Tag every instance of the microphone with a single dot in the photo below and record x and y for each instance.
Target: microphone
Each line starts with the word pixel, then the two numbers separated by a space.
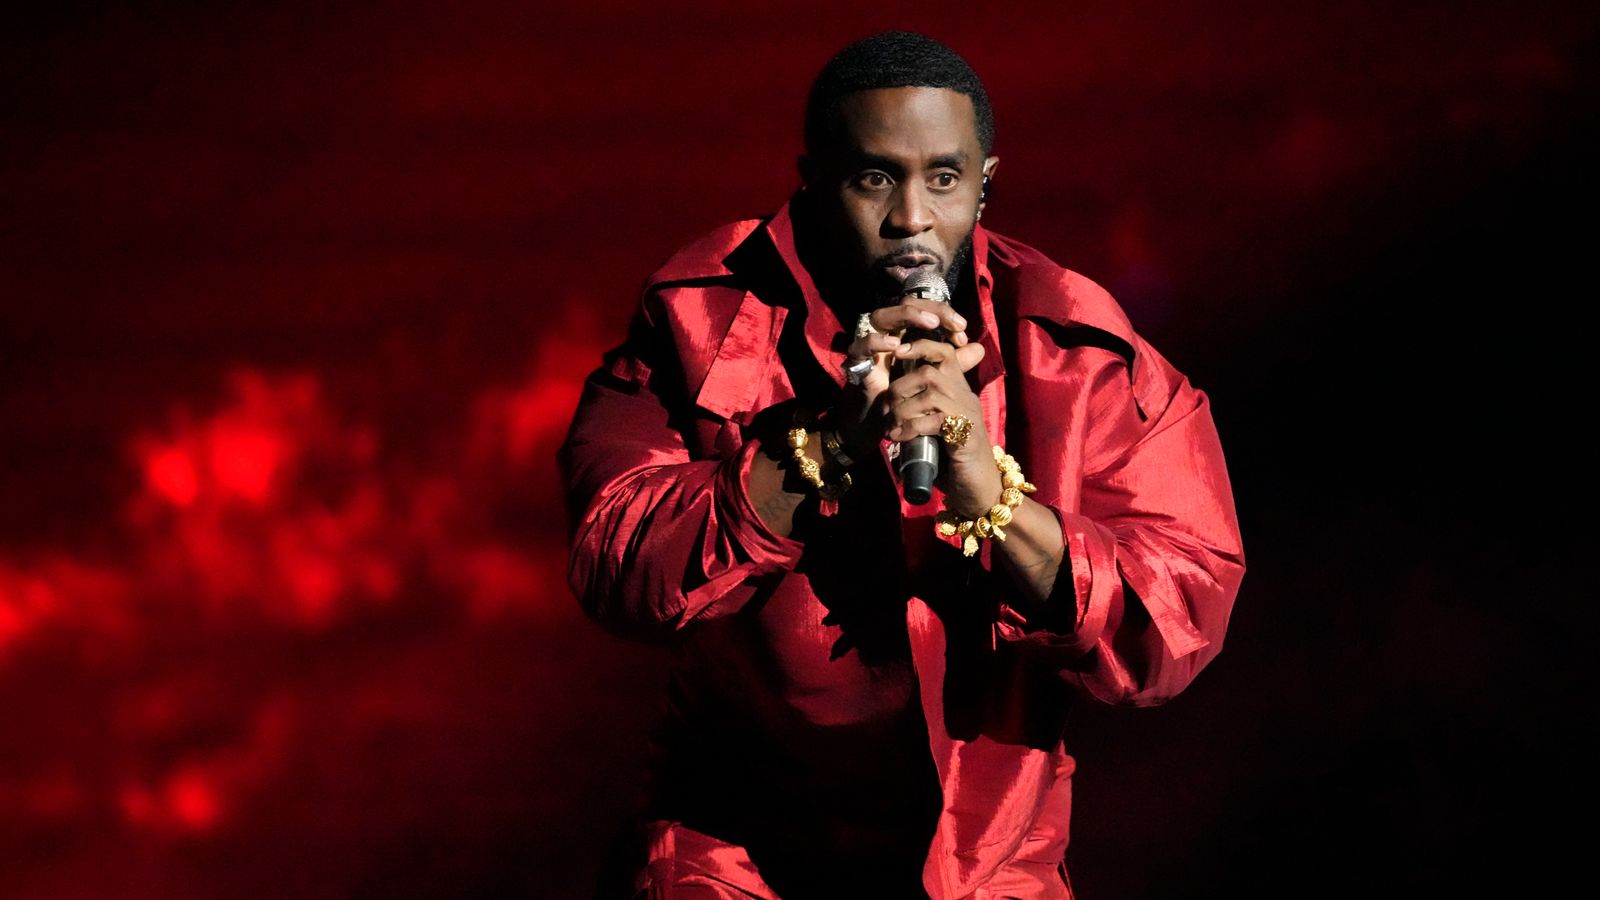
pixel 919 457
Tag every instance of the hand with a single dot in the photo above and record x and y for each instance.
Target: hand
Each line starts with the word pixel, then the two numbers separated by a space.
pixel 863 422
pixel 918 402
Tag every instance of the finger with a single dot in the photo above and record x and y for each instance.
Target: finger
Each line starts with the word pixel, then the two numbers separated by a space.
pixel 928 390
pixel 927 403
pixel 930 350
pixel 949 320
pixel 872 345
pixel 908 386
pixel 952 322
pixel 873 386
pixel 914 312
pixel 902 316
pixel 907 428
pixel 969 355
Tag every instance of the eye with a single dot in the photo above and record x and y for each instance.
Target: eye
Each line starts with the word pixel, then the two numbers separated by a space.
pixel 872 181
pixel 945 180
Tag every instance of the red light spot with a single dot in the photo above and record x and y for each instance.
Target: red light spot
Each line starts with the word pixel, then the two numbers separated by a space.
pixel 12 623
pixel 539 412
pixel 244 460
pixel 25 601
pixel 193 801
pixel 315 584
pixel 170 473
pixel 509 425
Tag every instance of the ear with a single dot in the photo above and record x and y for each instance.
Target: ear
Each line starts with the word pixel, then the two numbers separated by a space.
pixel 990 164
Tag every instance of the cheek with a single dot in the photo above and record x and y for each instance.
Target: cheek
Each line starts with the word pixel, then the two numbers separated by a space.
pixel 862 223
pixel 954 230
pixel 958 211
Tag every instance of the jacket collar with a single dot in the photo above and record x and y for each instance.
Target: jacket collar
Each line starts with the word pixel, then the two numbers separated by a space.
pixel 763 256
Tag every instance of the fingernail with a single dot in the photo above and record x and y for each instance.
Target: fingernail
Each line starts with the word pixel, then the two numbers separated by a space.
pixel 960 322
pixel 929 319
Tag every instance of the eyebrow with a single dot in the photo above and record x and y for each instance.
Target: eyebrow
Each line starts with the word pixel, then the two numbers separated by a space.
pixel 956 160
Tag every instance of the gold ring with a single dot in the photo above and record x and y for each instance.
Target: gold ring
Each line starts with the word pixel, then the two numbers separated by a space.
pixel 956 429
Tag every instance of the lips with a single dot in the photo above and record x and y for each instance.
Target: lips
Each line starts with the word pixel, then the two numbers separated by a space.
pixel 900 267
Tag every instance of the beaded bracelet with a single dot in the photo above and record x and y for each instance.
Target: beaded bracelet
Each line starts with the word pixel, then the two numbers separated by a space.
pixel 992 523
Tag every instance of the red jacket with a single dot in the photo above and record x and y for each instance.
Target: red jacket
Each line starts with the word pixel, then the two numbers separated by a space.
pixel 1120 445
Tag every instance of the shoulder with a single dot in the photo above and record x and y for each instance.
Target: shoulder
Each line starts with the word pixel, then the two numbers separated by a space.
pixel 697 287
pixel 1041 288
pixel 1074 311
pixel 705 257
pixel 685 308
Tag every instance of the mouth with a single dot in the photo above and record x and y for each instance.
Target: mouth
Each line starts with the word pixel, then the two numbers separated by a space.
pixel 900 267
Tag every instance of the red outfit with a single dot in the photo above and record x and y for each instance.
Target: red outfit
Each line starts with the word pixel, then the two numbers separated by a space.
pixel 860 694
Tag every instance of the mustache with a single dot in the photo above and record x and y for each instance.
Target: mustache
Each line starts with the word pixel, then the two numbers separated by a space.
pixel 887 259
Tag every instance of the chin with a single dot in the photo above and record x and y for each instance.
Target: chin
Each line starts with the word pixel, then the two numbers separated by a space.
pixel 883 285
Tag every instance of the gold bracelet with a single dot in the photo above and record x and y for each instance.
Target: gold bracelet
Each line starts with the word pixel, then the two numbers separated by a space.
pixel 809 469
pixel 992 523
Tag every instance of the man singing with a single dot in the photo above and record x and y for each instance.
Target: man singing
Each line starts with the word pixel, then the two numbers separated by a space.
pixel 869 695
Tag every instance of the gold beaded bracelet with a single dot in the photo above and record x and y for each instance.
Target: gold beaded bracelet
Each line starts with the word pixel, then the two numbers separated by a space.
pixel 809 469
pixel 992 523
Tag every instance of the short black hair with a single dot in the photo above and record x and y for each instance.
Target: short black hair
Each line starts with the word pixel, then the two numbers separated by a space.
pixel 892 59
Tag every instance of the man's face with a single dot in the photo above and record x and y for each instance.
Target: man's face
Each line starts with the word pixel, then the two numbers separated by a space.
pixel 899 189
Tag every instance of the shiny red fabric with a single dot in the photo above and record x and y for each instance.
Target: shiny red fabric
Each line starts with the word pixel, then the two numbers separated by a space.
pixel 667 547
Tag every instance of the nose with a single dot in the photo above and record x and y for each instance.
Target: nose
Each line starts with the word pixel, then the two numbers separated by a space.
pixel 911 213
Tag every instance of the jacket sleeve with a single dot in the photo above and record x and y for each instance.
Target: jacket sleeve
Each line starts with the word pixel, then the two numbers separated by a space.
pixel 659 540
pixel 1153 557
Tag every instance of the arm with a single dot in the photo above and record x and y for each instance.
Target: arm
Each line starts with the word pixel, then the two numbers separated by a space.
pixel 1133 598
pixel 1032 553
pixel 659 540
pixel 764 483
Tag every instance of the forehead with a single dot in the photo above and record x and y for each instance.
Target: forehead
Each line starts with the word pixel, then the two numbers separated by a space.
pixel 909 123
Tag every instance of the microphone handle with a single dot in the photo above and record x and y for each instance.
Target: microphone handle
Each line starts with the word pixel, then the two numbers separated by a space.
pixel 919 457
pixel 919 466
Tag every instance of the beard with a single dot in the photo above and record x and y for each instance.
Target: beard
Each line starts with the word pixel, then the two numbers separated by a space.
pixel 959 263
pixel 888 294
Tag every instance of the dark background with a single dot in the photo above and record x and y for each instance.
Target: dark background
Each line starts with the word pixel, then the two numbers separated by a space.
pixel 295 302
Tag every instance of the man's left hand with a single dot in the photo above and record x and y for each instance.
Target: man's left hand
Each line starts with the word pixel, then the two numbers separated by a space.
pixel 918 402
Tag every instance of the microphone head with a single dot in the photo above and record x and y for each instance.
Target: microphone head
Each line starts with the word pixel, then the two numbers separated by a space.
pixel 927 284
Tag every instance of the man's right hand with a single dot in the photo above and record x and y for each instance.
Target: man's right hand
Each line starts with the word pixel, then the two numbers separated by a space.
pixel 863 421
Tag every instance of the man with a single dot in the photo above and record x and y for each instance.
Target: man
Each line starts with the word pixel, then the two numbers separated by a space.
pixel 858 706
